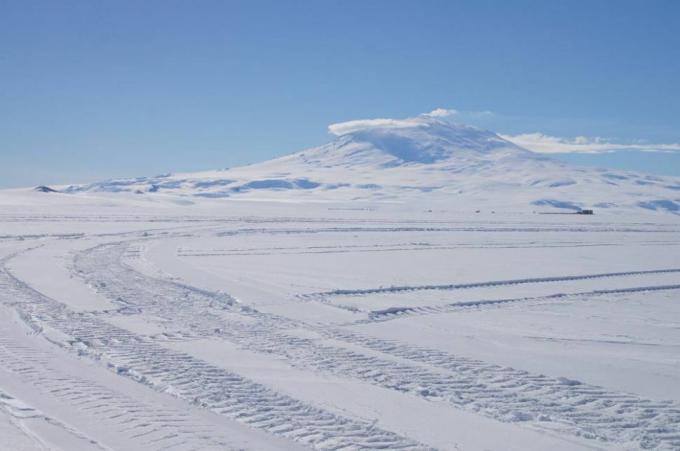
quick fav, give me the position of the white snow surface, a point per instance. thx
(422, 159)
(287, 315)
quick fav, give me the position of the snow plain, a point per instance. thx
(258, 325)
(261, 308)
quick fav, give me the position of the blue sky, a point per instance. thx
(91, 90)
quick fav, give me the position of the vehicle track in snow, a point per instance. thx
(372, 249)
(391, 313)
(503, 393)
(484, 284)
(136, 423)
(23, 416)
(482, 228)
(187, 377)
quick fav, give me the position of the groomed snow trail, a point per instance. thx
(507, 394)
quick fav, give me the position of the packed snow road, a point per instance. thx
(338, 330)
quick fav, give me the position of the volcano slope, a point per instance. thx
(421, 160)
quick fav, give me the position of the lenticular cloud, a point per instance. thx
(423, 120)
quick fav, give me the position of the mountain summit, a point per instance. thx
(379, 144)
(423, 139)
(423, 159)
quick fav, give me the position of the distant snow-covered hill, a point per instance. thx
(422, 159)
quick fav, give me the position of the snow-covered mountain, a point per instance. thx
(423, 159)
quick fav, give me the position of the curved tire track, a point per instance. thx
(192, 379)
(503, 393)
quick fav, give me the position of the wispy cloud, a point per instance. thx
(539, 142)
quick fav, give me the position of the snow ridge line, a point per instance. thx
(400, 312)
(503, 393)
(196, 381)
(494, 283)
